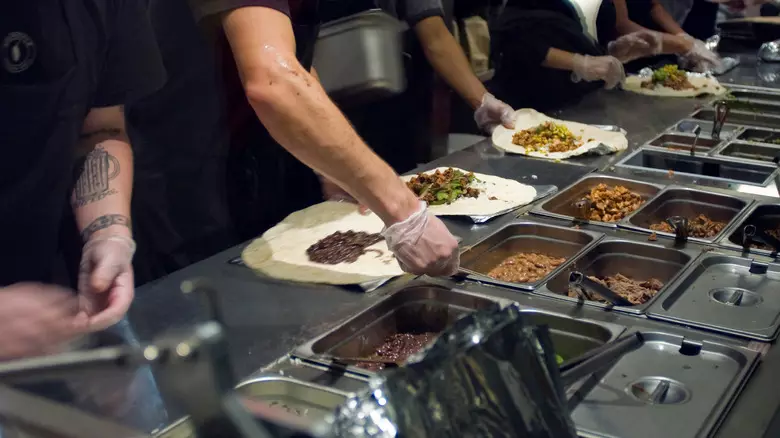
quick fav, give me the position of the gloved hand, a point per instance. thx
(493, 112)
(641, 44)
(423, 244)
(106, 286)
(699, 58)
(598, 68)
(37, 319)
(333, 192)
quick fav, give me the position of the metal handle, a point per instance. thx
(721, 113)
(697, 132)
(579, 280)
(680, 226)
(582, 209)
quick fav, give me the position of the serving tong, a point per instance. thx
(680, 226)
(599, 358)
(721, 113)
(751, 234)
(584, 286)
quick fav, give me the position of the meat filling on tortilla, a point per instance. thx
(547, 137)
(443, 187)
(669, 76)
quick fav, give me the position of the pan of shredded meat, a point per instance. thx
(612, 203)
(701, 226)
(636, 292)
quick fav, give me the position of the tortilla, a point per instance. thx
(526, 118)
(703, 84)
(281, 251)
(509, 194)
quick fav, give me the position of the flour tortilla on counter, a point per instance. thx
(281, 251)
(508, 194)
(703, 84)
(528, 118)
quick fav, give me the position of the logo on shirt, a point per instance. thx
(18, 52)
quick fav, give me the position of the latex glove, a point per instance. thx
(642, 44)
(493, 112)
(598, 68)
(333, 192)
(106, 286)
(37, 319)
(699, 58)
(423, 244)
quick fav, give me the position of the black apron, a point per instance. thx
(520, 42)
(265, 183)
(39, 129)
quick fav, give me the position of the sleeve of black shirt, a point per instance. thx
(206, 8)
(133, 67)
(416, 11)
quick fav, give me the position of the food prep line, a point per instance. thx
(270, 319)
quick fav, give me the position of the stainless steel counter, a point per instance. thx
(268, 318)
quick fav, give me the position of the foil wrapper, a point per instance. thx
(492, 374)
(770, 52)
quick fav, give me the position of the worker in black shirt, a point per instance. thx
(66, 69)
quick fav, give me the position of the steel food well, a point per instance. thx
(701, 167)
(563, 205)
(318, 374)
(769, 136)
(687, 126)
(683, 143)
(638, 261)
(750, 151)
(524, 237)
(670, 387)
(745, 94)
(763, 216)
(572, 337)
(416, 309)
(728, 294)
(740, 118)
(688, 203)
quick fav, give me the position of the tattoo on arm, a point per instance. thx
(98, 168)
(104, 222)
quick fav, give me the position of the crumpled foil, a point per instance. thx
(770, 52)
(492, 374)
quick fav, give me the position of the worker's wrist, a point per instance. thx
(108, 225)
(398, 208)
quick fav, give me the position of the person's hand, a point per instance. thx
(106, 285)
(493, 112)
(423, 244)
(598, 68)
(38, 319)
(699, 58)
(333, 192)
(641, 44)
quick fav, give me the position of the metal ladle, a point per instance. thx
(582, 209)
(582, 284)
(751, 234)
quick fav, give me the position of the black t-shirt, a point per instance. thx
(58, 59)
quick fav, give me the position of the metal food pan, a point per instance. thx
(561, 206)
(572, 337)
(415, 309)
(686, 127)
(639, 261)
(681, 142)
(752, 95)
(769, 136)
(318, 374)
(755, 106)
(740, 118)
(700, 297)
(703, 378)
(524, 237)
(689, 203)
(750, 151)
(701, 167)
(764, 216)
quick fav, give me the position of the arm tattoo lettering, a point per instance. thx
(104, 222)
(98, 168)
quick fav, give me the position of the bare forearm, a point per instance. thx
(103, 189)
(664, 20)
(448, 60)
(299, 115)
(559, 59)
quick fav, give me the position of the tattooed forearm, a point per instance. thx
(105, 132)
(104, 222)
(98, 168)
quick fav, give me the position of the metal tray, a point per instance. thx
(702, 167)
(763, 216)
(700, 297)
(704, 380)
(680, 201)
(519, 237)
(308, 403)
(683, 143)
(751, 95)
(318, 374)
(754, 135)
(632, 259)
(412, 310)
(750, 151)
(686, 127)
(561, 205)
(740, 118)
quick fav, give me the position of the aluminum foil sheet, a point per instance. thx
(491, 374)
(770, 52)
